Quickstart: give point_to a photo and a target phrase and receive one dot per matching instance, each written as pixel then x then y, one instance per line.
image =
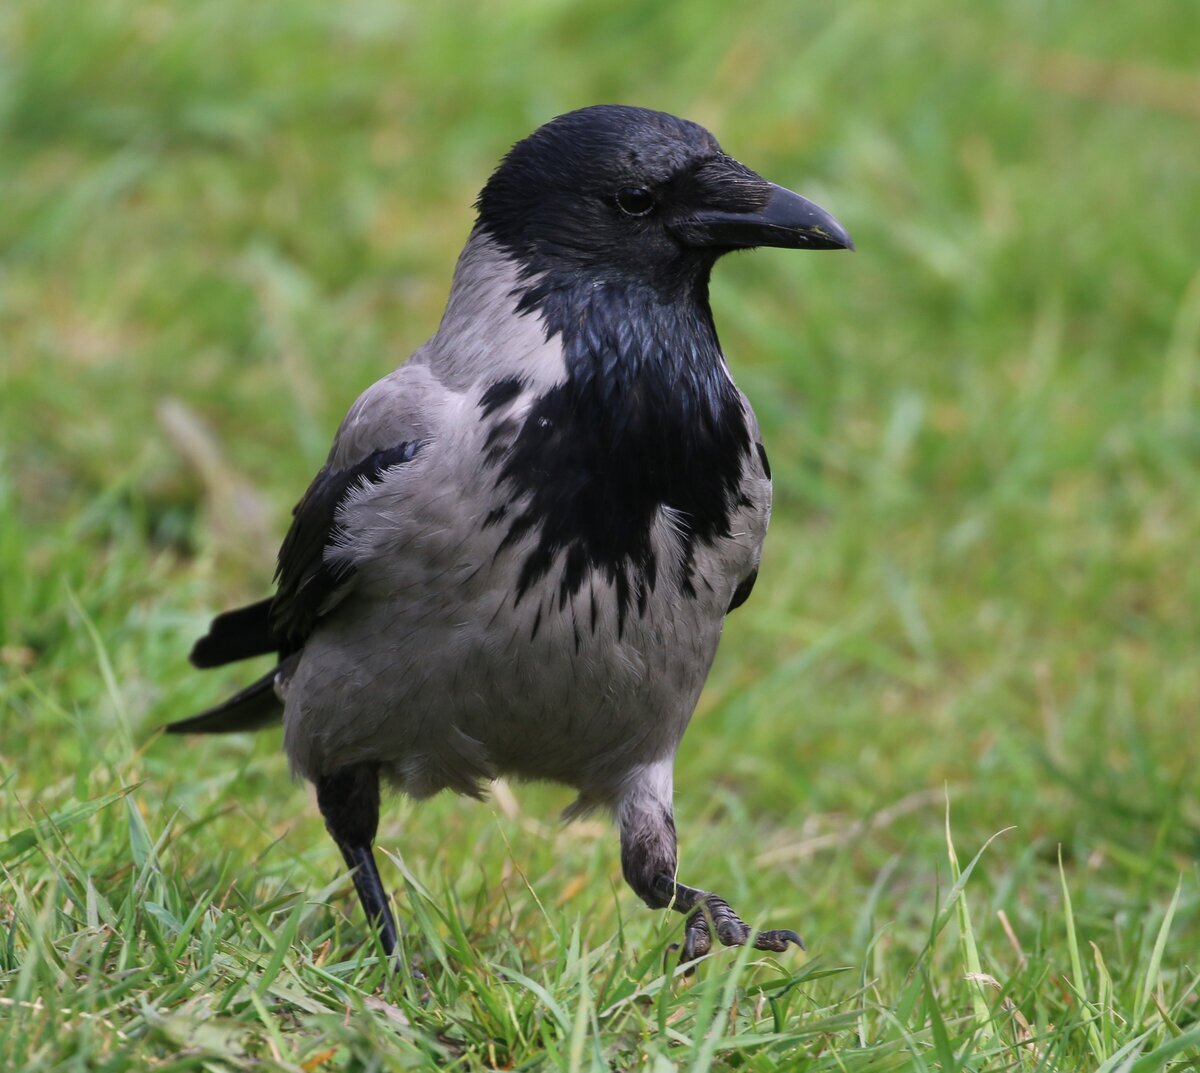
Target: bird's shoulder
pixel 390 425
pixel 406 405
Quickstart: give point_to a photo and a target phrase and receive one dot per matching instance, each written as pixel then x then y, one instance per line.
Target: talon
pixel 710 917
pixel 730 928
pixel 697 939
pixel 733 932
pixel 715 914
pixel 777 940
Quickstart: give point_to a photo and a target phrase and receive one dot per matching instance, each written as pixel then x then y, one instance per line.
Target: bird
pixel 519 554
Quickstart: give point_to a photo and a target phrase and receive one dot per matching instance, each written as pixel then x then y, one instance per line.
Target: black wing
pixel 240 634
pixel 742 593
pixel 306 581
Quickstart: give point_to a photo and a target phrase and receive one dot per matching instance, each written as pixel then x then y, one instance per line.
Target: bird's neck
pixel 637 364
pixel 642 418
pixel 616 336
pixel 620 336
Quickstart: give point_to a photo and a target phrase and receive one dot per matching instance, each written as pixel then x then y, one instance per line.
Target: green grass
pixel 220 220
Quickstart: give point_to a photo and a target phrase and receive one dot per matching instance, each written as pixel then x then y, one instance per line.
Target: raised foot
pixel 731 930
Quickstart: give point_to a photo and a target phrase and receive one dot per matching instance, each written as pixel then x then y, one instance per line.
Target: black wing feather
pixel 235 635
pixel 746 586
pixel 252 708
pixel 742 593
pixel 306 581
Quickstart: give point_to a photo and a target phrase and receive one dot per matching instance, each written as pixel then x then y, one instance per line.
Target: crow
pixel 519 554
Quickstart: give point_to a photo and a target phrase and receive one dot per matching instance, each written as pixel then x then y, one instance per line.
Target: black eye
pixel 635 201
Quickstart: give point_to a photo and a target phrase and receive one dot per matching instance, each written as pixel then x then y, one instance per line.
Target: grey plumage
pixel 520 553
pixel 430 579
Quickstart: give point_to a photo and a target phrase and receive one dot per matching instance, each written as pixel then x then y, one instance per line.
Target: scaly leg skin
pixel 709 911
pixel 349 803
pixel 648 861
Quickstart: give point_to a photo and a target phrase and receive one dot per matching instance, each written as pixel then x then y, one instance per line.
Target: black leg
pixel 349 803
pixel 648 858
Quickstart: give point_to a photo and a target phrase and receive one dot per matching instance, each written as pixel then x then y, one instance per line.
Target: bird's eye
pixel 635 201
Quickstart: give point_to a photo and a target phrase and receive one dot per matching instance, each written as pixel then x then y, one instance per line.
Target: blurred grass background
pixel 220 221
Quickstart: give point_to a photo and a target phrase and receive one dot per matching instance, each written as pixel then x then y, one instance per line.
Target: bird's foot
pixel 709 913
pixel 714 915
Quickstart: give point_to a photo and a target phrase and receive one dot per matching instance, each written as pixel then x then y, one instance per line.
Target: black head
pixel 627 193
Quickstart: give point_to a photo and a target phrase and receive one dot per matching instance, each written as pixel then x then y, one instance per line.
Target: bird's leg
pixel 648 860
pixel 349 803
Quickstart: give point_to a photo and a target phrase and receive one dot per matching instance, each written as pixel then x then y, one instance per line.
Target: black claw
pixel 708 915
pixel 777 940
pixel 686 962
pixel 697 940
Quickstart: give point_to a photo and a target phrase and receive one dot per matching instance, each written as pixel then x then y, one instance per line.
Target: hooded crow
pixel 519 554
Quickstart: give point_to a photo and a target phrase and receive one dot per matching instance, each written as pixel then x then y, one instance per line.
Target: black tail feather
pixel 254 707
pixel 236 635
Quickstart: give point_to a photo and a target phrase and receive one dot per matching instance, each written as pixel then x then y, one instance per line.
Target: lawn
pixel 952 738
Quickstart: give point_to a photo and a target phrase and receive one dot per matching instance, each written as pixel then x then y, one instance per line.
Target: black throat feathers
pixel 646 420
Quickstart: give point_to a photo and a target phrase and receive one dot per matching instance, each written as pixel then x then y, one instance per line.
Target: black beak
pixel 737 210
